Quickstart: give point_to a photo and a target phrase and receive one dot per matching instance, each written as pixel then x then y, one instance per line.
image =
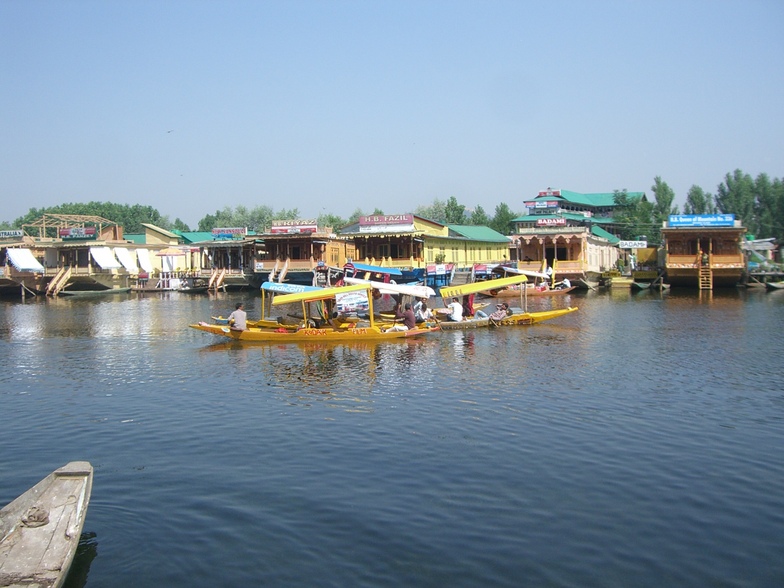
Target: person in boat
pixel 468 305
pixel 455 311
pixel 564 284
pixel 501 312
pixel 238 318
pixel 423 313
pixel 409 320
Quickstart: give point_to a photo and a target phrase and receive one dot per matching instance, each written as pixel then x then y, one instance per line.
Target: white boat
pixel 40 530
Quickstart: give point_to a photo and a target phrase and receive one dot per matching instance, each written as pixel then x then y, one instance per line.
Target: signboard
pixel 632 244
pixel 701 220
pixel 293 227
pixel 229 233
pixel 382 223
pixel 387 219
pixel 551 222
pixel 542 204
pixel 550 192
pixel 16 234
pixel 352 303
pixel 78 233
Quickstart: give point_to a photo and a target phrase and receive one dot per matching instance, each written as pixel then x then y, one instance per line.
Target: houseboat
pixel 571 230
pixel 423 250
pixel 21 273
pixel 301 252
pixel 703 251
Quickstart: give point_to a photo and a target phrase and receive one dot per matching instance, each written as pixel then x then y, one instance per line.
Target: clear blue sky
pixel 330 106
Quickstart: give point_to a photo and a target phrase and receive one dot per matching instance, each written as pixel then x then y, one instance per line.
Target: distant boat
pixel 40 530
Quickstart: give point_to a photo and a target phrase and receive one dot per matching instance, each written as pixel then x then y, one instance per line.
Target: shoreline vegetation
pixel 757 202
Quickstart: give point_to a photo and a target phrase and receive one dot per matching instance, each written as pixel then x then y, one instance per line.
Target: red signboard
pixel 550 192
pixel 78 233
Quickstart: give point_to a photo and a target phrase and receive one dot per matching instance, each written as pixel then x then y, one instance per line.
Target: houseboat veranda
pixel 703 251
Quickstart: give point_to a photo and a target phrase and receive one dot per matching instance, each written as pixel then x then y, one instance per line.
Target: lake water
pixel 636 442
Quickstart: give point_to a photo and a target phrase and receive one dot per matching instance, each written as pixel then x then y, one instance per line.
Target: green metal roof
pixel 600 232
pixel 139 239
pixel 599 199
pixel 479 233
pixel 573 216
pixel 195 236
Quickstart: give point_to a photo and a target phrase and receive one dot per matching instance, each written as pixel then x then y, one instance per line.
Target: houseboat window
pixel 383 250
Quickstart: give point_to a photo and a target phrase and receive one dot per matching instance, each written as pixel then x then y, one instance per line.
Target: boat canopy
pixel 23 260
pixel 144 260
pixel 475 287
pixel 520 272
pixel 285 288
pixel 385 288
pixel 375 269
pixel 319 294
pixel 125 258
pixel 104 257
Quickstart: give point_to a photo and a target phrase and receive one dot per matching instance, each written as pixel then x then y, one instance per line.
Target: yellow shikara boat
pixel 516 318
pixel 333 329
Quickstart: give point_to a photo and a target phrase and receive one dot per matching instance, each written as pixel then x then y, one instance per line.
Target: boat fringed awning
pixel 144 260
pixel 128 260
pixel 104 257
pixel 23 260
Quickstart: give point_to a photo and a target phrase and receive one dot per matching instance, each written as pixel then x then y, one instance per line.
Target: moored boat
pixel 40 530
pixel 774 285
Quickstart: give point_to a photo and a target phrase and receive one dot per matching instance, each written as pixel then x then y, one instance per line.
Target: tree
pixel 454 213
pixel 699 202
pixel 502 220
pixel 180 225
pixel 634 217
pixel 479 217
pixel 331 220
pixel 770 207
pixel 736 195
pixel 435 212
pixel 663 207
pixel 128 217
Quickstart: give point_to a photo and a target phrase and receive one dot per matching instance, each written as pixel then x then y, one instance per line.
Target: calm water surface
pixel 637 442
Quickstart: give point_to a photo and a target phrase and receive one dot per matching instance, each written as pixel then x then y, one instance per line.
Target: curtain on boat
pixel 104 257
pixel 128 260
pixel 23 260
pixel 144 260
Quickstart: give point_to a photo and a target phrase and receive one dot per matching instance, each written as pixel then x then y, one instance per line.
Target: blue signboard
pixel 701 220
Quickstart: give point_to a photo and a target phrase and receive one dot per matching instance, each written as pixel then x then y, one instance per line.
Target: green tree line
pixel 757 202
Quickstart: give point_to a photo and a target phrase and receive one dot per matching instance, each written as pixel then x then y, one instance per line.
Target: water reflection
pixel 86 552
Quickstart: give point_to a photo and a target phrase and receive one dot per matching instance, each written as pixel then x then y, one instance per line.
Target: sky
pixel 331 106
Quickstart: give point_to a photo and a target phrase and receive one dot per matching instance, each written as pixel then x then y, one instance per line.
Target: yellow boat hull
pixel 310 334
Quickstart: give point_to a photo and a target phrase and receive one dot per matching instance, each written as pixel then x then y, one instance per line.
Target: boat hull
pixel 516 293
pixel 532 318
pixel 40 530
pixel 310 334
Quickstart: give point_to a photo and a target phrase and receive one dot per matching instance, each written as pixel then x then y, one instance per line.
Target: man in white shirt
pixel 455 311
